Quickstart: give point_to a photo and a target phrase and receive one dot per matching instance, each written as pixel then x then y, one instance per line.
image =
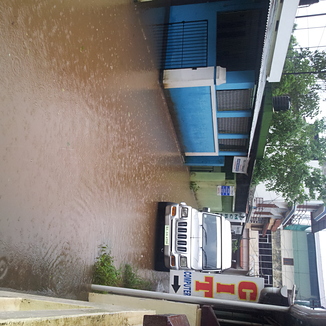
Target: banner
pixel 219 286
pixel 234 216
pixel 225 190
pixel 240 164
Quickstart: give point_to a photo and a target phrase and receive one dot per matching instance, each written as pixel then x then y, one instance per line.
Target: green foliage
pixel 105 273
pixel 296 182
pixel 235 245
pixel 301 80
pixel 193 186
pixel 132 280
pixel 291 145
pixel 293 142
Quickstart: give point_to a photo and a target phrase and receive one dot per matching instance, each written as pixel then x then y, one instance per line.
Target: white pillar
pixel 193 77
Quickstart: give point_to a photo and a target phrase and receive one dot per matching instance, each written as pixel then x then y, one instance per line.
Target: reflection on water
pixel 87 144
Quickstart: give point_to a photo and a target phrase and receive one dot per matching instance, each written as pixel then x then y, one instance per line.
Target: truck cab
pixel 196 240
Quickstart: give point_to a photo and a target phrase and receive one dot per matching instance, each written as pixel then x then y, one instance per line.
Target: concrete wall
pixel 206 190
pixel 253 253
pixel 194 115
pixel 192 311
pixel 287 252
pixel 26 309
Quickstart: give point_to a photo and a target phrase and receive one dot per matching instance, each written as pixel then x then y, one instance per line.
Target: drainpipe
pixel 188 299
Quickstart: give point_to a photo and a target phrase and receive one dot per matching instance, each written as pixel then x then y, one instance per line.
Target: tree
pixel 293 142
pixel 304 75
pixel 291 145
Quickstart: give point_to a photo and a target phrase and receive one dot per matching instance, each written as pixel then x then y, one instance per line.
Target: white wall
pixel 287 252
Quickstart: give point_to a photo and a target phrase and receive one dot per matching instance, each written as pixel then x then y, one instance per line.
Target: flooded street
pixel 87 142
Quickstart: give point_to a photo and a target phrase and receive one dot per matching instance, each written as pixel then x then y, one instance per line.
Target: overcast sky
pixel 311 32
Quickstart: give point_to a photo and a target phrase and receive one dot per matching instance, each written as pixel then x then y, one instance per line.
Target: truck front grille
pixel 182 236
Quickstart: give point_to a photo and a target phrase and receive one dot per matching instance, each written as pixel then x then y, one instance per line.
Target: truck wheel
pixel 159 238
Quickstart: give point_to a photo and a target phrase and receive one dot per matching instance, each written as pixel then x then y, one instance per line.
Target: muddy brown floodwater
pixel 87 142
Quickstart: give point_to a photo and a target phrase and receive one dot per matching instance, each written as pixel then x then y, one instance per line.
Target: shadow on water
pixel 87 143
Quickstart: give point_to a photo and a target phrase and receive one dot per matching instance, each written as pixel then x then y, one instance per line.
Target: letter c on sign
pixel 245 288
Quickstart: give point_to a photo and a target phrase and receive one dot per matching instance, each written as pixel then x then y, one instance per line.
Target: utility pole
pixel 314 15
pixel 304 72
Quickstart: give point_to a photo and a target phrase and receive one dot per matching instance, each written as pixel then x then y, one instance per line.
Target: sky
pixel 311 32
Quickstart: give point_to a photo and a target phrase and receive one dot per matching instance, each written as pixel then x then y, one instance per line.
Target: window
pixel 265 257
pixel 240 36
pixel 234 100
pixel 288 261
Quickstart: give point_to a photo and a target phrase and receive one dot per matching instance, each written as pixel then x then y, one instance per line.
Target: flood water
pixel 87 142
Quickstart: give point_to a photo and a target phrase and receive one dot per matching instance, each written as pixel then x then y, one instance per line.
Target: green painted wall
pixel 301 265
pixel 205 186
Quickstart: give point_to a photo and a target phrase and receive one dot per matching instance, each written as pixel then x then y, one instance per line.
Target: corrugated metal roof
pixel 276 9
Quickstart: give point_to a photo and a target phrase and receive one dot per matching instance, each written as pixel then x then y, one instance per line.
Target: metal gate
pixel 185 44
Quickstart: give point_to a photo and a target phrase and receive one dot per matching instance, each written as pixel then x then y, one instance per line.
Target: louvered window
pixel 233 125
pixel 233 144
pixel 234 100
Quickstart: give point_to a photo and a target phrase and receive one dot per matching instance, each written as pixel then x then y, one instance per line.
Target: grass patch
pixel 105 273
pixel 132 280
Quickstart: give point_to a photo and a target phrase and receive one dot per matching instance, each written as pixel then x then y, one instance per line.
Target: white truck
pixel 188 239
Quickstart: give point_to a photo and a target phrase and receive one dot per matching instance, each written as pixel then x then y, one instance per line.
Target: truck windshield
pixel 210 244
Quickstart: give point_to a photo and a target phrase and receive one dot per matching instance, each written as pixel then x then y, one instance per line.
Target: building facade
pixel 218 58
